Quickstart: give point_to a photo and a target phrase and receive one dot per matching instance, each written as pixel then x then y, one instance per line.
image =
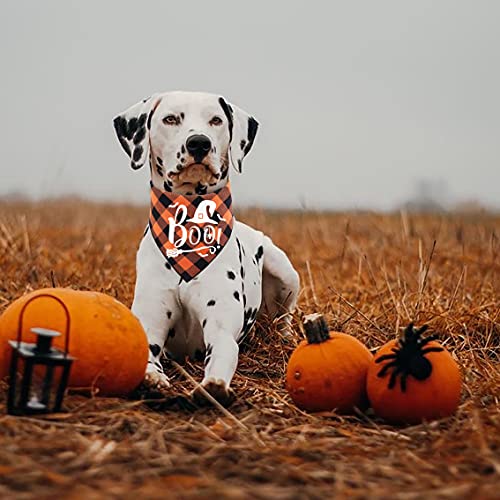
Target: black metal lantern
pixel 38 372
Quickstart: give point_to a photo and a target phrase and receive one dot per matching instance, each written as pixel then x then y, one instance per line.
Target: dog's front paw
pixel 217 389
pixel 154 384
pixel 156 380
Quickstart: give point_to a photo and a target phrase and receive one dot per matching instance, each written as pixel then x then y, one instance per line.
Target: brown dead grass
pixel 370 274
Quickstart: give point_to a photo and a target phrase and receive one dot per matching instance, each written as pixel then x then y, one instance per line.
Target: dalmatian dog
pixel 191 139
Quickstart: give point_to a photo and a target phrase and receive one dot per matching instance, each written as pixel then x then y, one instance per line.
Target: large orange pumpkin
pixel 106 338
pixel 328 370
pixel 413 379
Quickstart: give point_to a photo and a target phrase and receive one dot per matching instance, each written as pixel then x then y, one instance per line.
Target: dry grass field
pixel 370 274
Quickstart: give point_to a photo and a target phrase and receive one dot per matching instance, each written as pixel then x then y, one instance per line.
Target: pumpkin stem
pixel 316 328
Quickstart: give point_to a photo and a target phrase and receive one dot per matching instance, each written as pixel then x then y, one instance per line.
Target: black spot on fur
pixel 259 254
pixel 224 171
pixel 183 149
pixel 211 303
pixel 183 160
pixel 208 354
pixel 167 265
pixel 155 349
pixel 132 128
pixel 169 314
pixel 120 125
pixel 228 111
pixel 150 116
pixel 204 324
pixel 199 355
pixel 243 144
pixel 171 333
pixel 182 116
pixel 178 154
pixel 159 170
pixel 140 135
pixel 242 272
pixel 239 166
pixel 231 275
pixel 137 153
pixel 166 186
pixel 248 320
pixel 236 295
pixel 159 160
pixel 253 125
pixel 239 250
pixel 244 300
pixel 179 167
pixel 141 121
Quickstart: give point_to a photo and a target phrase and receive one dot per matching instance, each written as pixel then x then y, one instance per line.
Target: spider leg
pixel 431 349
pixel 407 336
pixel 409 329
pixel 394 375
pixel 385 357
pixel 422 329
pixel 428 339
pixel 386 368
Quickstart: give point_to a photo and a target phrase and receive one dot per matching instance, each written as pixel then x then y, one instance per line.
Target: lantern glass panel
pixel 45 381
pixel 36 386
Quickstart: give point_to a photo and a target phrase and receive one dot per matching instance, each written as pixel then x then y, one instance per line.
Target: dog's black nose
pixel 198 146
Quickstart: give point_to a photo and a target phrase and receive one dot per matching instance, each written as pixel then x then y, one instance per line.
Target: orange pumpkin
pixel 328 370
pixel 413 379
pixel 106 338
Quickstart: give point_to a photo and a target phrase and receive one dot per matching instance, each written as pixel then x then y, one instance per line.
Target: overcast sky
pixel 357 100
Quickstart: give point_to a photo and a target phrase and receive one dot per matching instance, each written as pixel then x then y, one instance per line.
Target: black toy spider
pixel 408 357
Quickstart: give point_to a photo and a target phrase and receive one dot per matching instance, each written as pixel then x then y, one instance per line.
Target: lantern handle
pixel 66 311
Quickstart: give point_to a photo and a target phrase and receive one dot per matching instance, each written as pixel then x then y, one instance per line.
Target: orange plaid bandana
pixel 191 230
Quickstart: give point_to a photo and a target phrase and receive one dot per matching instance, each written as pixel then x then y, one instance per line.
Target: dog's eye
pixel 170 120
pixel 216 120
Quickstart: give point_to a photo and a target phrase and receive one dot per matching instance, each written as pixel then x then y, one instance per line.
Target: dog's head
pixel 191 139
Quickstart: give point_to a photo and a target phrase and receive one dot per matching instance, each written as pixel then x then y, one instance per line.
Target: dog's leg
pixel 280 285
pixel 156 308
pixel 221 320
pixel 157 320
pixel 221 359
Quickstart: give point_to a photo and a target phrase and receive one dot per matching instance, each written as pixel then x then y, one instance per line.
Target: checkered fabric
pixel 191 230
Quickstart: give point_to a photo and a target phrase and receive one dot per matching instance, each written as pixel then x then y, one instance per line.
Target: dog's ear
pixel 242 132
pixel 132 128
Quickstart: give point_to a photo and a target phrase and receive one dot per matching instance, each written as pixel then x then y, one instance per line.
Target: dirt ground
pixel 369 274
